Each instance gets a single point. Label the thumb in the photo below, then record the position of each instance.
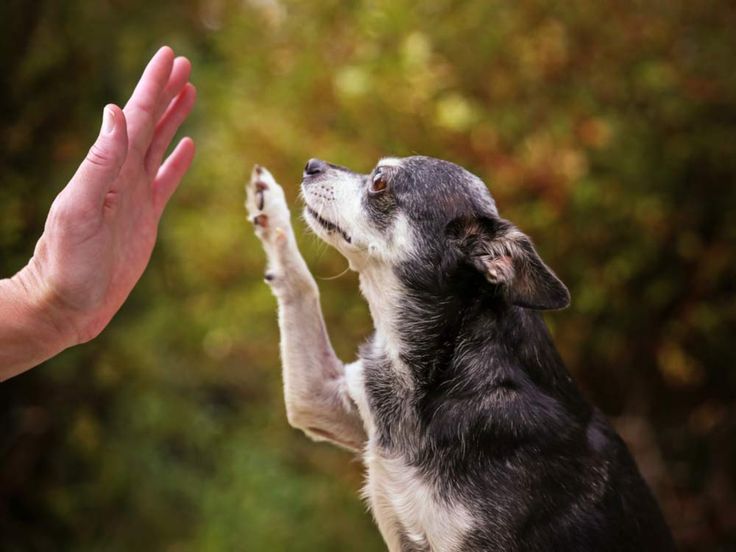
(106, 156)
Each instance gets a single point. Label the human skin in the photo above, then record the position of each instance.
(101, 228)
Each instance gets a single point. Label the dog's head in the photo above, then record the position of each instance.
(431, 217)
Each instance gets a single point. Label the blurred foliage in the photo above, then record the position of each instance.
(606, 130)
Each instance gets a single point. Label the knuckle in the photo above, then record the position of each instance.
(145, 109)
(68, 219)
(62, 212)
(100, 156)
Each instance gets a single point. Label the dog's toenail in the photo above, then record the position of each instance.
(259, 199)
(258, 169)
(260, 220)
(269, 276)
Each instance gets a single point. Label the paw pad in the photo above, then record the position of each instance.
(266, 207)
(261, 220)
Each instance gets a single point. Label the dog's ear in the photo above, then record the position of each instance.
(507, 258)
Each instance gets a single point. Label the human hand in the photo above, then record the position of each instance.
(101, 229)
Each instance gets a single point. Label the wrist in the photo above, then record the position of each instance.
(290, 289)
(44, 307)
(33, 326)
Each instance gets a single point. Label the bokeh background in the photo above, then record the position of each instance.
(606, 130)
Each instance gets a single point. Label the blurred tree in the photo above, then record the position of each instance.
(604, 129)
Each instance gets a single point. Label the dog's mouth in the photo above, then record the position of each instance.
(327, 225)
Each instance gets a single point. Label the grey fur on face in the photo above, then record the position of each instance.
(424, 207)
(426, 193)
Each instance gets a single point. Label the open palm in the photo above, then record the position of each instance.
(102, 227)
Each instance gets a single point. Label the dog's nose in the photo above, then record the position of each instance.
(314, 167)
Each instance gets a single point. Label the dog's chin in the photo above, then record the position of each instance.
(329, 231)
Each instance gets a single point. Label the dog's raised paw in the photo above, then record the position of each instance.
(266, 206)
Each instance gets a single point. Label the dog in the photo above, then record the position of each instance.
(473, 434)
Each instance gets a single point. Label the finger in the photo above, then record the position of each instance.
(168, 125)
(171, 172)
(100, 168)
(180, 73)
(141, 108)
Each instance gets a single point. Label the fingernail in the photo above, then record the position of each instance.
(108, 121)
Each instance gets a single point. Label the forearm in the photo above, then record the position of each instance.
(309, 360)
(308, 357)
(315, 389)
(29, 334)
(316, 395)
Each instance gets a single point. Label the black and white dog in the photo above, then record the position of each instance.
(473, 434)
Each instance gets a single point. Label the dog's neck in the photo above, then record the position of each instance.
(383, 292)
(421, 332)
(412, 329)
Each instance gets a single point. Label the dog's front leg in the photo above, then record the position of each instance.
(315, 391)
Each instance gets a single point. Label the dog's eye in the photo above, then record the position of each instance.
(379, 183)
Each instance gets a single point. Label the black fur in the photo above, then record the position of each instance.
(493, 416)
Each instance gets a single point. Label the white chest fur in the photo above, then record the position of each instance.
(402, 500)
